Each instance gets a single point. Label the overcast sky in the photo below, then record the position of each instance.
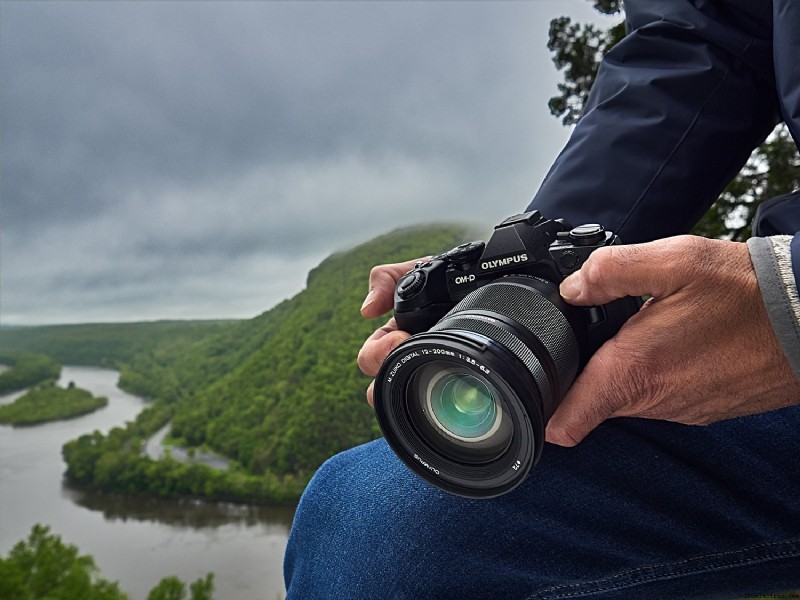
(196, 159)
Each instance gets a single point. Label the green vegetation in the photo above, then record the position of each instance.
(26, 369)
(102, 344)
(172, 588)
(113, 462)
(45, 568)
(50, 403)
(277, 394)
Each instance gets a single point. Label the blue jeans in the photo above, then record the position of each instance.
(640, 509)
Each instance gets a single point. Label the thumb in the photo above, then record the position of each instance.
(655, 268)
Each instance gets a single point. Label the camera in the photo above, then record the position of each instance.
(464, 402)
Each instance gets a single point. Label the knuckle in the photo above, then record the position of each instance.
(363, 360)
(376, 273)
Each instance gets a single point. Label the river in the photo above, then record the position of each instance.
(134, 541)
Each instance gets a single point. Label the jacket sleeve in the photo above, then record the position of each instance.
(675, 111)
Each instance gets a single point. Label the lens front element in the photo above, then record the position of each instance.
(462, 406)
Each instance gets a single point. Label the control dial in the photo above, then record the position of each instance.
(410, 284)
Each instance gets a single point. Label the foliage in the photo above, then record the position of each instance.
(114, 463)
(577, 50)
(26, 369)
(50, 403)
(43, 567)
(773, 169)
(172, 588)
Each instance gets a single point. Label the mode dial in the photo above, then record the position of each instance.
(410, 284)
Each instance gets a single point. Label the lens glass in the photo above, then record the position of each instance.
(458, 412)
(463, 406)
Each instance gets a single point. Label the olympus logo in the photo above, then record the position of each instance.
(502, 262)
(426, 465)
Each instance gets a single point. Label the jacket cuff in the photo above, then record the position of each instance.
(772, 261)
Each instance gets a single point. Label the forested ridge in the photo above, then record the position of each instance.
(26, 369)
(278, 393)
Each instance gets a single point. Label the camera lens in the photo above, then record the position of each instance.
(465, 404)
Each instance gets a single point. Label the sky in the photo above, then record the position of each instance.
(192, 160)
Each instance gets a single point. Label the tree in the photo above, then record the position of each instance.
(43, 567)
(773, 168)
(172, 588)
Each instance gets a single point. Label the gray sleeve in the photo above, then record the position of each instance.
(772, 261)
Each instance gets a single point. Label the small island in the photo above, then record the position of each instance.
(50, 403)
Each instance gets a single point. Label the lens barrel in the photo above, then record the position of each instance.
(465, 404)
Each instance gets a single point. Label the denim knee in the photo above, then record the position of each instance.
(349, 526)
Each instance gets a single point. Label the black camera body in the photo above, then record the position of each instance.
(524, 244)
(464, 402)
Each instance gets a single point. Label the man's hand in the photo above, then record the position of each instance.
(701, 350)
(379, 301)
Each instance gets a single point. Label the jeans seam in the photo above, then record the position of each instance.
(666, 571)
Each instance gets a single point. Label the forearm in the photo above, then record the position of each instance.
(772, 260)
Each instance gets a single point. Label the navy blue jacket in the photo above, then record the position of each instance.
(676, 110)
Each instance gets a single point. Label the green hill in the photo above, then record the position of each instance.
(278, 394)
(299, 397)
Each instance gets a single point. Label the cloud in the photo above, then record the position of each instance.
(170, 159)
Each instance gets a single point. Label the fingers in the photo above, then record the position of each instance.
(376, 349)
(371, 394)
(589, 402)
(378, 346)
(656, 268)
(382, 281)
(380, 300)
